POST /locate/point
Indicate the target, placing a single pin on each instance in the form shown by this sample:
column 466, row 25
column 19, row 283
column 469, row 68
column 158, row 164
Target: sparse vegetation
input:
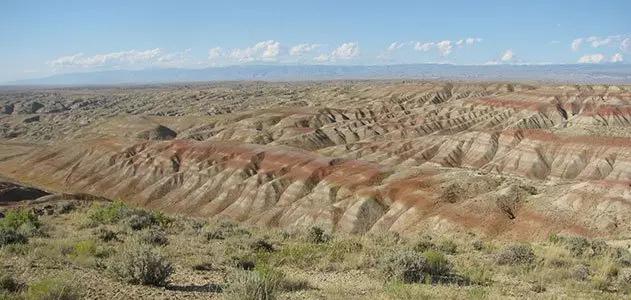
column 9, row 236
column 52, row 289
column 251, row 263
column 518, row 254
column 142, row 264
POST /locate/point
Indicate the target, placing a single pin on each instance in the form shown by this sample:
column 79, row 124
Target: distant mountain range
column 574, row 73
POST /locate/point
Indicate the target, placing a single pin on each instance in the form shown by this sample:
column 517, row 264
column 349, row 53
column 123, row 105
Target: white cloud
column 576, row 44
column 345, row 51
column 215, row 53
column 471, row 41
column 509, row 55
column 444, row 47
column 123, row 58
column 424, row 46
column 626, row 45
column 175, row 59
column 395, row 46
column 591, row 59
column 270, row 50
column 597, row 41
column 321, row 57
column 617, row 58
column 299, row 49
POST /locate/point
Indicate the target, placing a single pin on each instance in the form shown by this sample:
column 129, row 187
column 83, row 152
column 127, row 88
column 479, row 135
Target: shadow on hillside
column 207, row 288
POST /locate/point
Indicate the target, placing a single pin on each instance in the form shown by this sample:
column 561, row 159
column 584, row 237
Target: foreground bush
column 264, row 283
column 9, row 236
column 108, row 213
column 516, row 255
column 18, row 218
column 155, row 237
column 8, row 284
column 142, row 264
column 411, row 266
column 49, row 289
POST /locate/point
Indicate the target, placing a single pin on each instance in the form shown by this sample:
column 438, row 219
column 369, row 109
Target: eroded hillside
column 509, row 161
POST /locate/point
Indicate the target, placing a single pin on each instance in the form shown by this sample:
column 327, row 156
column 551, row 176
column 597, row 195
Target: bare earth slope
column 509, row 161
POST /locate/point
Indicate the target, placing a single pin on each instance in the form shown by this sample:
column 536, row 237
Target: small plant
column 479, row 245
column 316, row 235
column 64, row 207
column 105, row 235
column 556, row 239
column 8, row 284
column 437, row 264
column 17, row 218
column 622, row 256
column 518, row 254
column 85, row 248
column 261, row 245
column 140, row 219
column 448, row 246
column 580, row 272
column 10, row 236
column 411, row 266
column 143, row 265
column 49, row 289
column 580, row 246
column 154, row 237
column 108, row 213
column 213, row 235
column 263, row 284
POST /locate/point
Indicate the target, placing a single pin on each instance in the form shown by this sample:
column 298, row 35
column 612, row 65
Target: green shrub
column 556, row 239
column 259, row 245
column 8, row 284
column 108, row 213
column 316, row 235
column 622, row 256
column 448, row 246
column 411, row 266
column 516, row 254
column 49, row 289
column 64, row 207
column 105, row 235
column 154, row 237
column 139, row 219
column 580, row 246
column 142, row 264
column 264, row 283
column 9, row 236
column 16, row 218
column 85, row 248
column 479, row 245
column 436, row 264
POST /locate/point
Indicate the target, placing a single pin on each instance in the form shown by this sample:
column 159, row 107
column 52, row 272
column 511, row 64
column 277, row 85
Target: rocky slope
column 509, row 161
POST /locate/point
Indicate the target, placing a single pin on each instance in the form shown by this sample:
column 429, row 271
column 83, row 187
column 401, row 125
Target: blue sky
column 41, row 38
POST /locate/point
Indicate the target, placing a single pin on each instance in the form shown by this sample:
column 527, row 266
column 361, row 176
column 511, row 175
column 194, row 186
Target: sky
column 43, row 38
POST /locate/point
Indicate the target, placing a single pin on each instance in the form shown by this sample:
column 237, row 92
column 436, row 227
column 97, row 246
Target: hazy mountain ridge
column 575, row 73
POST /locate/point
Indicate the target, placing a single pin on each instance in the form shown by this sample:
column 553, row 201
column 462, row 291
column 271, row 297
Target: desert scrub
column 142, row 264
column 10, row 236
column 8, row 284
column 18, row 218
column 105, row 235
column 153, row 236
column 264, row 283
column 316, row 235
column 411, row 266
column 107, row 213
column 581, row 246
column 65, row 207
column 517, row 254
column 448, row 247
column 51, row 289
